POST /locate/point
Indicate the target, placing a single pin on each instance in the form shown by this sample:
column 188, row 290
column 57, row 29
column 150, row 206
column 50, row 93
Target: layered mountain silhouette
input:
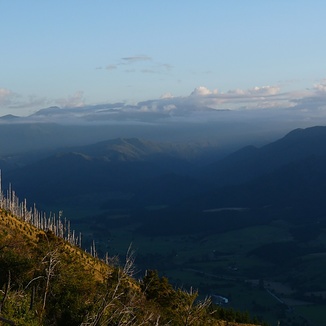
column 250, row 162
column 121, row 167
column 288, row 172
column 287, row 175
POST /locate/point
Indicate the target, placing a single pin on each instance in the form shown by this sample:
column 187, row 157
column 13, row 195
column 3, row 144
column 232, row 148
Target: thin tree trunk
column 32, row 298
column 6, row 291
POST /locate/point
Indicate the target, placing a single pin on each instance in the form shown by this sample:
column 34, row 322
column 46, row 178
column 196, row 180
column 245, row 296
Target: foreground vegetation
column 45, row 280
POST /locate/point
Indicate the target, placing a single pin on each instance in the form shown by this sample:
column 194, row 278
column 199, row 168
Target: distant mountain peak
column 9, row 117
column 48, row 111
column 250, row 162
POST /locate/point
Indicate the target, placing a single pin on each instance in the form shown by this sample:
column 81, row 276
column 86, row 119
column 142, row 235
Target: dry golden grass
column 12, row 227
column 15, row 226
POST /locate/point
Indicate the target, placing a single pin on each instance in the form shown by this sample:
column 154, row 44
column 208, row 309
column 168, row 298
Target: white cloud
column 237, row 91
column 166, row 95
column 255, row 91
column 6, row 96
column 202, row 99
column 4, row 92
column 256, row 97
column 311, row 101
column 202, row 91
column 264, row 90
column 74, row 101
column 169, row 108
column 320, row 88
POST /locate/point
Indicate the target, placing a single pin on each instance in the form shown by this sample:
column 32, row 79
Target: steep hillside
column 47, row 281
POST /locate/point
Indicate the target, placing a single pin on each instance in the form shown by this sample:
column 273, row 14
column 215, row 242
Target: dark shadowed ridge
column 122, row 149
column 53, row 110
column 288, row 174
column 119, row 165
column 251, row 162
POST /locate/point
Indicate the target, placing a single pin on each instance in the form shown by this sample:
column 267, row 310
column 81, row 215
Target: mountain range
column 290, row 168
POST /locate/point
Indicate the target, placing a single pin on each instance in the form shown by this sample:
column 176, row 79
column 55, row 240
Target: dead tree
column 51, row 261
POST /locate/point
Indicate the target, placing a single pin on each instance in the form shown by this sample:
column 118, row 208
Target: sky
column 234, row 55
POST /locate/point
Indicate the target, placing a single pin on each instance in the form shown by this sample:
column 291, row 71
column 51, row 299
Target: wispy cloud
column 14, row 101
column 6, row 96
column 31, row 101
column 138, row 63
column 148, row 71
column 166, row 66
column 137, row 58
column 111, row 67
column 74, row 101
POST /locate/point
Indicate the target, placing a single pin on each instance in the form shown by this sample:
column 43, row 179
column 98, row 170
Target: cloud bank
column 202, row 104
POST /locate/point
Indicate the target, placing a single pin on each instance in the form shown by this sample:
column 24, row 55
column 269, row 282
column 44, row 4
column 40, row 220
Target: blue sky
column 78, row 52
